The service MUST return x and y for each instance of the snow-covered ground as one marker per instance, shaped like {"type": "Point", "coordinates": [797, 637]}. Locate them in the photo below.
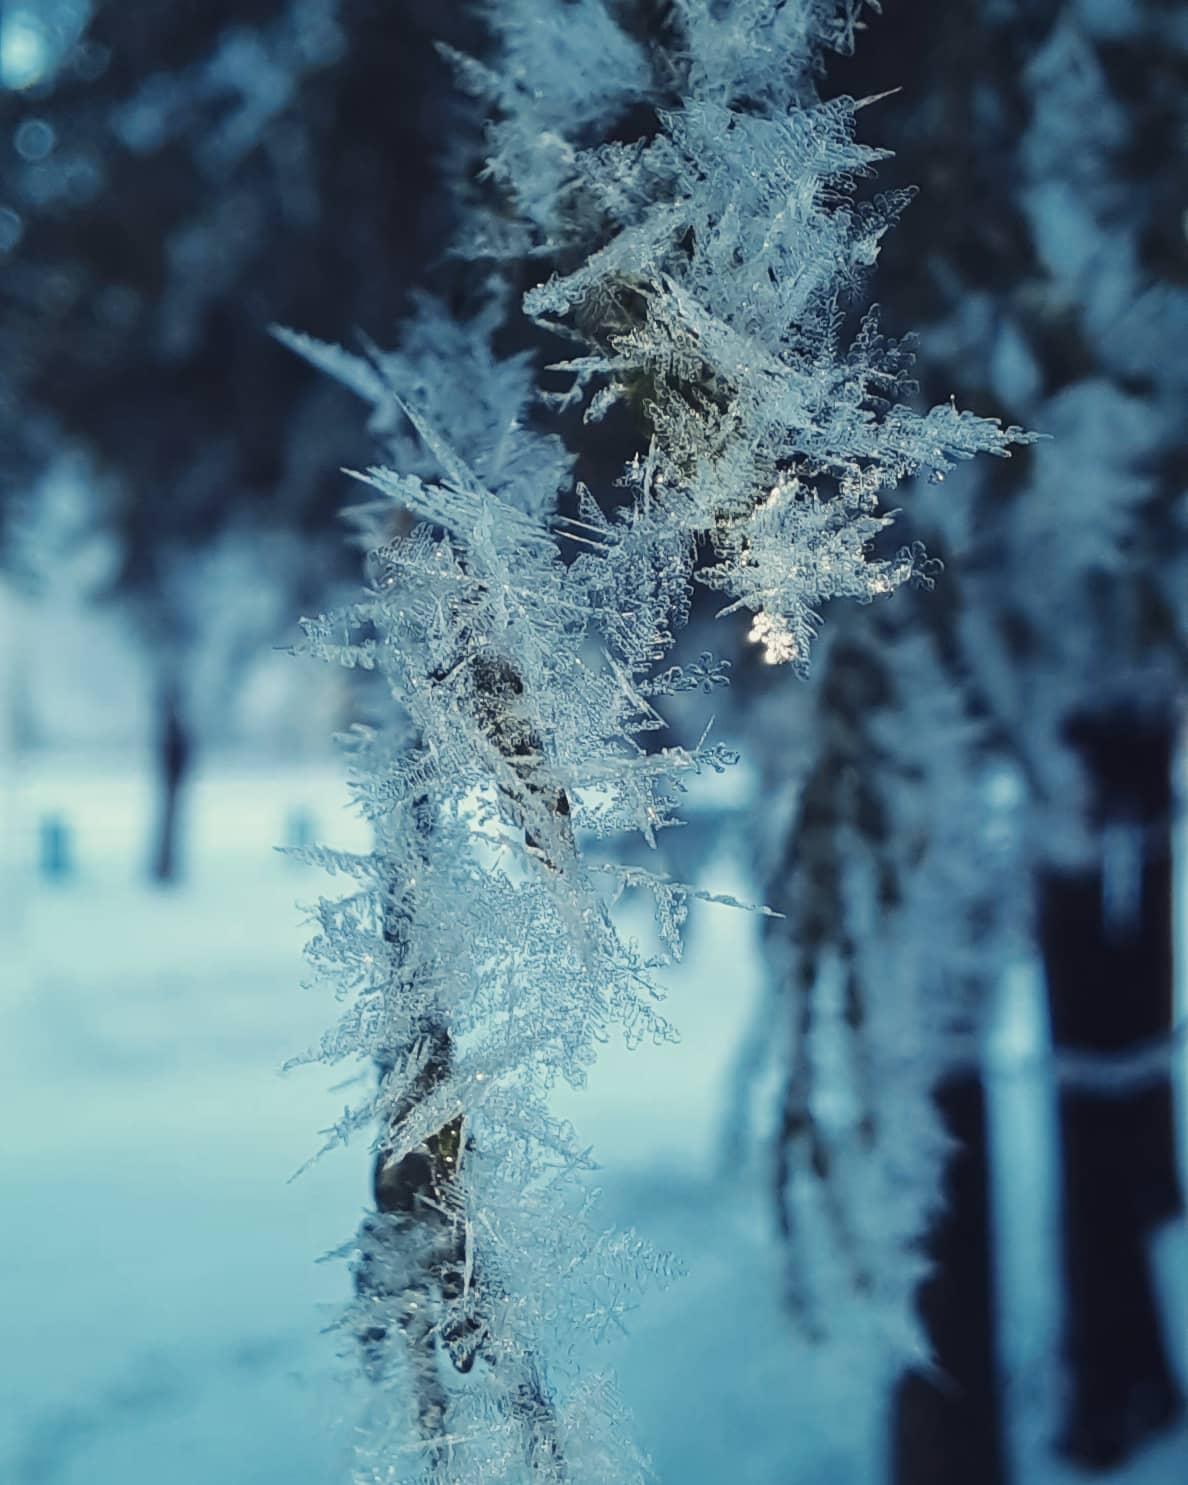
{"type": "Point", "coordinates": [161, 1302]}
{"type": "Point", "coordinates": [160, 1306]}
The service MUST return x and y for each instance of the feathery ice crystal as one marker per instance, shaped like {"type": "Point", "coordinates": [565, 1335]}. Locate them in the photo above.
{"type": "Point", "coordinates": [705, 260]}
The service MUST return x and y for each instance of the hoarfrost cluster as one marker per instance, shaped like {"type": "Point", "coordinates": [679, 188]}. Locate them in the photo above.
{"type": "Point", "coordinates": [696, 209]}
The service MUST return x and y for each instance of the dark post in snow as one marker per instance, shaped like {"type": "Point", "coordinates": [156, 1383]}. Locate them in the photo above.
{"type": "Point", "coordinates": [1106, 935]}
{"type": "Point", "coordinates": [55, 854]}
{"type": "Point", "coordinates": [947, 1424]}
{"type": "Point", "coordinates": [174, 753]}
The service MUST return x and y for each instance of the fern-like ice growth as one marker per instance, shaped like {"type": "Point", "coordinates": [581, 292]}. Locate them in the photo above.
{"type": "Point", "coordinates": [706, 265]}
{"type": "Point", "coordinates": [724, 251]}
{"type": "Point", "coordinates": [478, 948]}
{"type": "Point", "coordinates": [472, 399]}
{"type": "Point", "coordinates": [718, 305]}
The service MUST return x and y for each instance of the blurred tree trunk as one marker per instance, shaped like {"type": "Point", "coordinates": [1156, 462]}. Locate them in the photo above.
{"type": "Point", "coordinates": [174, 759]}
{"type": "Point", "coordinates": [946, 1425]}
{"type": "Point", "coordinates": [1106, 938]}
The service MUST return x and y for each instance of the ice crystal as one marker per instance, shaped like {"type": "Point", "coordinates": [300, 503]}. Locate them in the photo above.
{"type": "Point", "coordinates": [478, 952]}
{"type": "Point", "coordinates": [700, 210]}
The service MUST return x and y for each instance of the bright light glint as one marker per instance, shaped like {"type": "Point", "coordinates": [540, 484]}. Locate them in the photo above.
{"type": "Point", "coordinates": [24, 49]}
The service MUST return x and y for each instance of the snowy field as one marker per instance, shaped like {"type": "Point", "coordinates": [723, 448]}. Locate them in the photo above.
{"type": "Point", "coordinates": [162, 1309]}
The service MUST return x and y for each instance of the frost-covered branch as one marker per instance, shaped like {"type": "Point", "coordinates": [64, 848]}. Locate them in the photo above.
{"type": "Point", "coordinates": [706, 264]}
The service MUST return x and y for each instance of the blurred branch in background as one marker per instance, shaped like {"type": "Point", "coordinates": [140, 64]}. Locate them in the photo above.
{"type": "Point", "coordinates": [1046, 259]}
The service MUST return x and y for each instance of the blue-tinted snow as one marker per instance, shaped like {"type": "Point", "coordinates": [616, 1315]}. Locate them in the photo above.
{"type": "Point", "coordinates": [162, 1307]}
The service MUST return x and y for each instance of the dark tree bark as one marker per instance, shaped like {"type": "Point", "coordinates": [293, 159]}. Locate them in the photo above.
{"type": "Point", "coordinates": [947, 1425]}
{"type": "Point", "coordinates": [1106, 936]}
{"type": "Point", "coordinates": [174, 759]}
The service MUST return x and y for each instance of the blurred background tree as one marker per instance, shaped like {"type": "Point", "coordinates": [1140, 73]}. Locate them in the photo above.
{"type": "Point", "coordinates": [176, 176]}
{"type": "Point", "coordinates": [1045, 265]}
